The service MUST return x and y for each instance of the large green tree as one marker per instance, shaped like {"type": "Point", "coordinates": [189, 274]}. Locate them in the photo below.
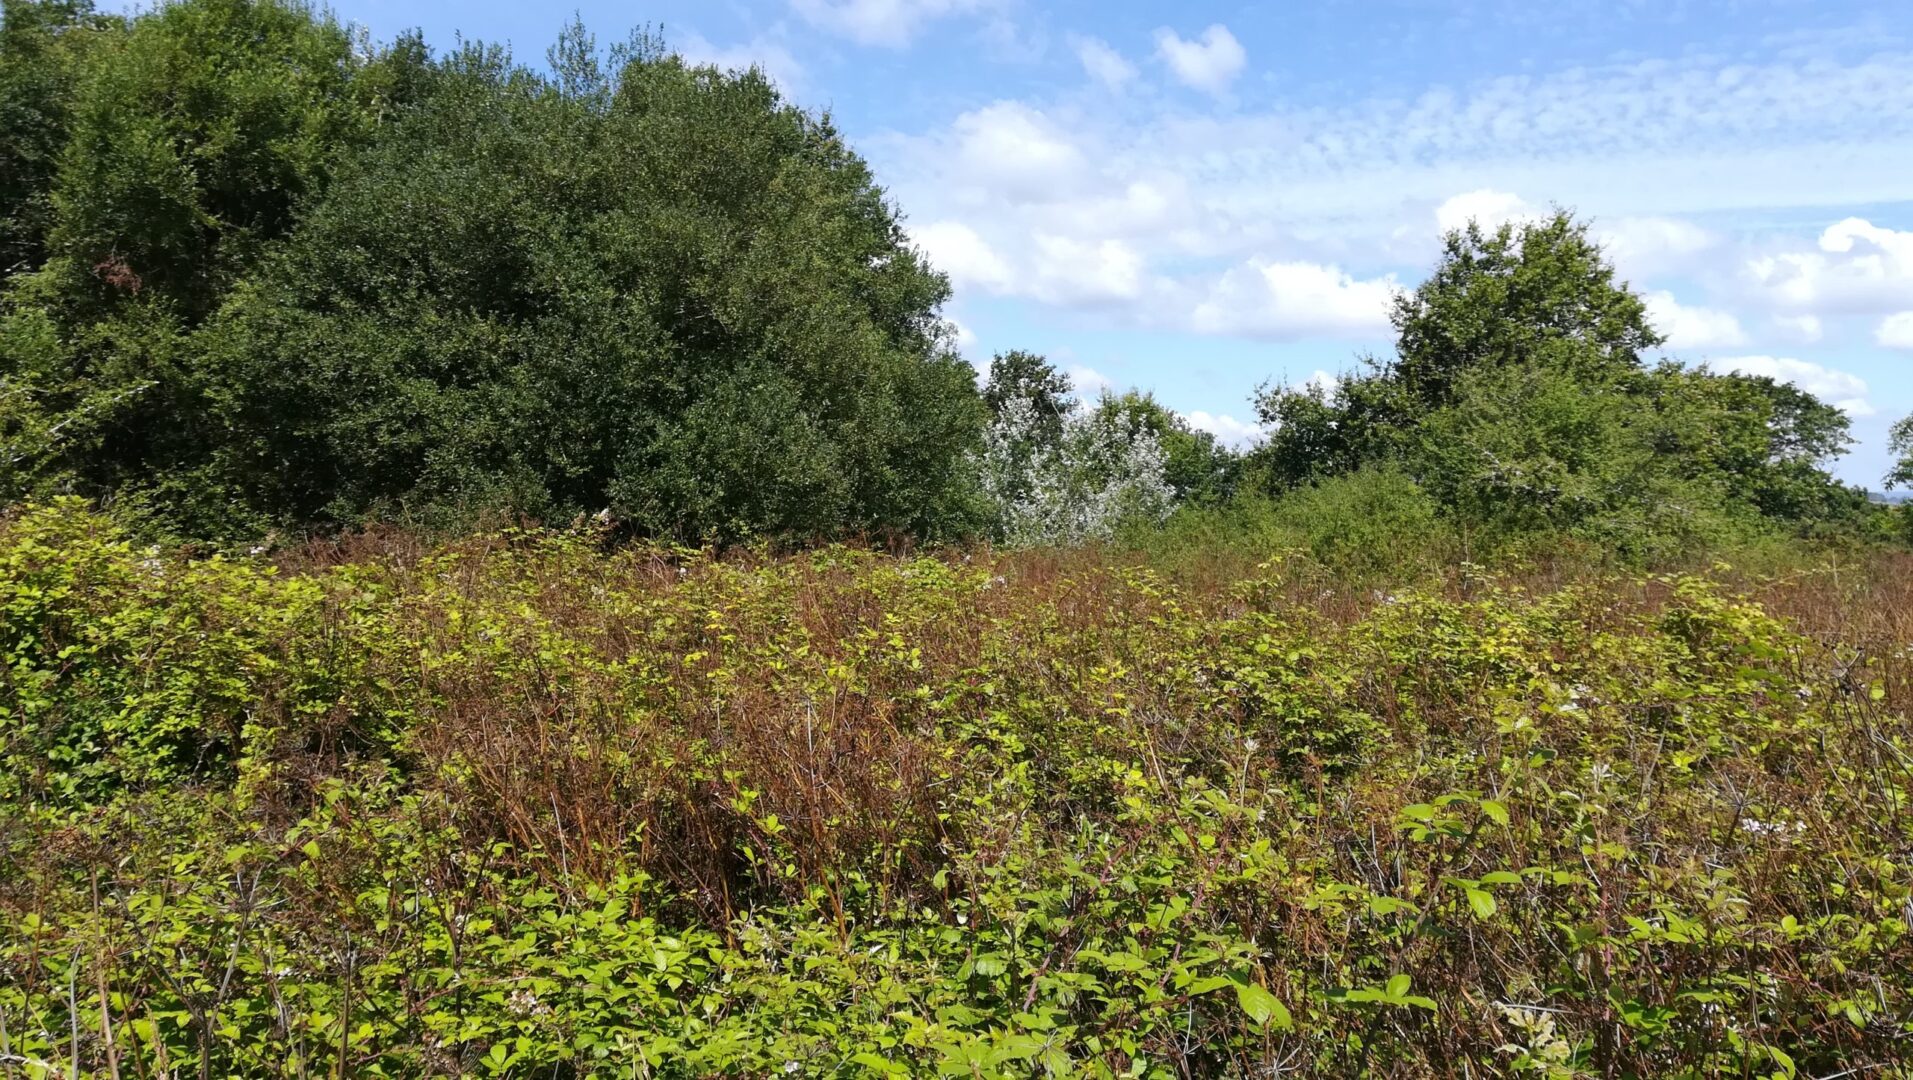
{"type": "Point", "coordinates": [43, 45]}
{"type": "Point", "coordinates": [290, 279]}
{"type": "Point", "coordinates": [1900, 442]}
{"type": "Point", "coordinates": [640, 287]}
{"type": "Point", "coordinates": [186, 145]}
{"type": "Point", "coordinates": [1519, 396]}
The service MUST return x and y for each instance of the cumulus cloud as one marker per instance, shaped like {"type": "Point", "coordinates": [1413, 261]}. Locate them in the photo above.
{"type": "Point", "coordinates": [1227, 429]}
{"type": "Point", "coordinates": [1896, 331]}
{"type": "Point", "coordinates": [957, 250]}
{"type": "Point", "coordinates": [1208, 63]}
{"type": "Point", "coordinates": [1104, 64]}
{"type": "Point", "coordinates": [1068, 270]}
{"type": "Point", "coordinates": [1646, 245]}
{"type": "Point", "coordinates": [767, 56]}
{"type": "Point", "coordinates": [1486, 207]}
{"type": "Point", "coordinates": [1087, 382]}
{"type": "Point", "coordinates": [1805, 329]}
{"type": "Point", "coordinates": [1856, 267]}
{"type": "Point", "coordinates": [1016, 153]}
{"type": "Point", "coordinates": [1841, 389]}
{"type": "Point", "coordinates": [1290, 300]}
{"type": "Point", "coordinates": [889, 23]}
{"type": "Point", "coordinates": [1692, 327]}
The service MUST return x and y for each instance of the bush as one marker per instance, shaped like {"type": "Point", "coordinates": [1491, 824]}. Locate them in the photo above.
{"type": "Point", "coordinates": [519, 806]}
{"type": "Point", "coordinates": [1369, 522]}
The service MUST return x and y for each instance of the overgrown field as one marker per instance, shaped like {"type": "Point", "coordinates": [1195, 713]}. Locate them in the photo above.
{"type": "Point", "coordinates": [522, 805]}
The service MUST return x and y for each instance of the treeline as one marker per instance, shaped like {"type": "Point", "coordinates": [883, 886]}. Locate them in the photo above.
{"type": "Point", "coordinates": [263, 274]}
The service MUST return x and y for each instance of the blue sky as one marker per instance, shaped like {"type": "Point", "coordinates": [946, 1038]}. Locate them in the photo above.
{"type": "Point", "coordinates": [1198, 198]}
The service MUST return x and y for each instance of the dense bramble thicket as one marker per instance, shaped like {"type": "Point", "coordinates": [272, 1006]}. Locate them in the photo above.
{"type": "Point", "coordinates": [519, 806]}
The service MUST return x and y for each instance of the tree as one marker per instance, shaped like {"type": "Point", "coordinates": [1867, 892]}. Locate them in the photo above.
{"type": "Point", "coordinates": [639, 286]}
{"type": "Point", "coordinates": [1900, 441]}
{"type": "Point", "coordinates": [1197, 467]}
{"type": "Point", "coordinates": [193, 142]}
{"type": "Point", "coordinates": [1519, 398]}
{"type": "Point", "coordinates": [1541, 293]}
{"type": "Point", "coordinates": [1103, 472]}
{"type": "Point", "coordinates": [1019, 375]}
{"type": "Point", "coordinates": [43, 44]}
{"type": "Point", "coordinates": [192, 138]}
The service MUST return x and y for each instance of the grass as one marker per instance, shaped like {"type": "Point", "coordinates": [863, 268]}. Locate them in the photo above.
{"type": "Point", "coordinates": [525, 805]}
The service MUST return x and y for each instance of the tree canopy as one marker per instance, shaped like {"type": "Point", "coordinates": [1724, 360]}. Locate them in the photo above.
{"type": "Point", "coordinates": [291, 281]}
{"type": "Point", "coordinates": [1520, 396]}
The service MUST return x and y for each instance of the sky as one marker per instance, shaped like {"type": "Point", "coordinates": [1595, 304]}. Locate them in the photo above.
{"type": "Point", "coordinates": [1201, 198]}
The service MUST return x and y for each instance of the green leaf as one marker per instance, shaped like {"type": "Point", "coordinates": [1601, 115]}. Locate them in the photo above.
{"type": "Point", "coordinates": [1262, 1006]}
{"type": "Point", "coordinates": [1483, 902]}
{"type": "Point", "coordinates": [1495, 810]}
{"type": "Point", "coordinates": [878, 1063]}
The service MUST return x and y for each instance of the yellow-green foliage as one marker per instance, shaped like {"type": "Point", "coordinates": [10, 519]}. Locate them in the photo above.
{"type": "Point", "coordinates": [522, 806]}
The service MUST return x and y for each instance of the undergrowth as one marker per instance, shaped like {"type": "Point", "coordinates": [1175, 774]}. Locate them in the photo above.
{"type": "Point", "coordinates": [528, 805]}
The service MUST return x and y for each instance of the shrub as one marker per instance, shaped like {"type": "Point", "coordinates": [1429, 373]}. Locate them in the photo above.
{"type": "Point", "coordinates": [522, 806]}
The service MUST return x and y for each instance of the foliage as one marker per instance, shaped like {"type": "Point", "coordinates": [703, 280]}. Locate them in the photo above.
{"type": "Point", "coordinates": [1054, 472]}
{"type": "Point", "coordinates": [1196, 465]}
{"type": "Point", "coordinates": [522, 806]}
{"type": "Point", "coordinates": [1374, 522]}
{"type": "Point", "coordinates": [1900, 441]}
{"type": "Point", "coordinates": [299, 281]}
{"type": "Point", "coordinates": [1520, 399]}
{"type": "Point", "coordinates": [41, 45]}
{"type": "Point", "coordinates": [657, 290]}
{"type": "Point", "coordinates": [1021, 376]}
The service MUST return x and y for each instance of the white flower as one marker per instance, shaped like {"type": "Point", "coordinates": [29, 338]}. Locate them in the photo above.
{"type": "Point", "coordinates": [1101, 472]}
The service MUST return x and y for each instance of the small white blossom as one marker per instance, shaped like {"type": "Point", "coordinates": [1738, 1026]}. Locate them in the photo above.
{"type": "Point", "coordinates": [1102, 472]}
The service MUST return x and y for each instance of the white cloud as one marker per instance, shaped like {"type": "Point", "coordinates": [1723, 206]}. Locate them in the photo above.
{"type": "Point", "coordinates": [1692, 327]}
{"type": "Point", "coordinates": [1805, 329]}
{"type": "Point", "coordinates": [890, 23]}
{"type": "Point", "coordinates": [1087, 382]}
{"type": "Point", "coordinates": [1104, 64]}
{"type": "Point", "coordinates": [1857, 267]}
{"type": "Point", "coordinates": [1486, 207]}
{"type": "Point", "coordinates": [1328, 383]}
{"type": "Point", "coordinates": [1067, 270]}
{"type": "Point", "coordinates": [1841, 389]}
{"type": "Point", "coordinates": [1227, 429]}
{"type": "Point", "coordinates": [1896, 331]}
{"type": "Point", "coordinates": [1647, 245]}
{"type": "Point", "coordinates": [1012, 151]}
{"type": "Point", "coordinates": [1289, 300]}
{"type": "Point", "coordinates": [1208, 63]}
{"type": "Point", "coordinates": [964, 340]}
{"type": "Point", "coordinates": [771, 58]}
{"type": "Point", "coordinates": [958, 251]}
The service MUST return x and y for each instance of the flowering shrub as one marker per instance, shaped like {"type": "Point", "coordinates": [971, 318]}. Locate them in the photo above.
{"type": "Point", "coordinates": [1098, 472]}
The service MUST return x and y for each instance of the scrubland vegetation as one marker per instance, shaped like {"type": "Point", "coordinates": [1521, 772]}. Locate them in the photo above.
{"type": "Point", "coordinates": [517, 805]}
{"type": "Point", "coordinates": [504, 572]}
